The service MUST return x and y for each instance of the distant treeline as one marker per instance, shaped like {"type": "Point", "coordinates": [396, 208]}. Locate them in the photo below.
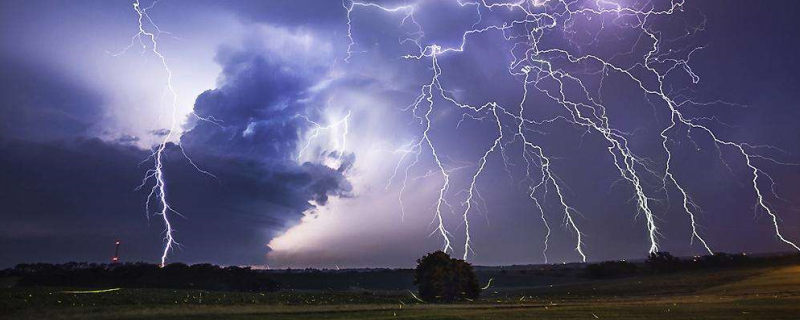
{"type": "Point", "coordinates": [664, 262]}
{"type": "Point", "coordinates": [142, 275]}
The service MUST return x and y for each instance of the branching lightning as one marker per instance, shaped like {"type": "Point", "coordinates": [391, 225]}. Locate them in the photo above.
{"type": "Point", "coordinates": [534, 65]}
{"type": "Point", "coordinates": [148, 40]}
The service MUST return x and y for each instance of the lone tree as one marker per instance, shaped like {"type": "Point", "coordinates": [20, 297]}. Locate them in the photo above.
{"type": "Point", "coordinates": [444, 279]}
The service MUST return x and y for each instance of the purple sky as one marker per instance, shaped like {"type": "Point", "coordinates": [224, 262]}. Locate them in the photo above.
{"type": "Point", "coordinates": [320, 145]}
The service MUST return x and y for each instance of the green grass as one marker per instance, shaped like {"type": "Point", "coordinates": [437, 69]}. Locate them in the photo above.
{"type": "Point", "coordinates": [743, 293]}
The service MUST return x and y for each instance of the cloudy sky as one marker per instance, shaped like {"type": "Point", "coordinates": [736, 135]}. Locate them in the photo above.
{"type": "Point", "coordinates": [310, 126]}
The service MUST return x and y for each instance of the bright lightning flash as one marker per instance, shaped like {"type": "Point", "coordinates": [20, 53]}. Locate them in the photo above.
{"type": "Point", "coordinates": [148, 40]}
{"type": "Point", "coordinates": [533, 64]}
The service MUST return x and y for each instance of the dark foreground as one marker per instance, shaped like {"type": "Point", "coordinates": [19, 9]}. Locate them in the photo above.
{"type": "Point", "coordinates": [739, 293]}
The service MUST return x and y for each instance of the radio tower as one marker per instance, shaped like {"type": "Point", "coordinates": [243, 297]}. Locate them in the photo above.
{"type": "Point", "coordinates": [115, 259]}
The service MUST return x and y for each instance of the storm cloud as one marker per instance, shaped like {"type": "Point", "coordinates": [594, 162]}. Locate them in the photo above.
{"type": "Point", "coordinates": [84, 189]}
{"type": "Point", "coordinates": [257, 82]}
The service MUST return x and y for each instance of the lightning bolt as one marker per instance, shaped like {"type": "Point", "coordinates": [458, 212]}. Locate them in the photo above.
{"type": "Point", "coordinates": [533, 63]}
{"type": "Point", "coordinates": [148, 40]}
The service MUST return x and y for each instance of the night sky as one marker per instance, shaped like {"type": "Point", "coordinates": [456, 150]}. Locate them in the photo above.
{"type": "Point", "coordinates": [308, 146]}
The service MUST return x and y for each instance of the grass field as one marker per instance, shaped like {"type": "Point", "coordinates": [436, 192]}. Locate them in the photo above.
{"type": "Point", "coordinates": [742, 293]}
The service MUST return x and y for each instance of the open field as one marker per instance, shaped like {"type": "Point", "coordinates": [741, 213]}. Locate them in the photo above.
{"type": "Point", "coordinates": [740, 293]}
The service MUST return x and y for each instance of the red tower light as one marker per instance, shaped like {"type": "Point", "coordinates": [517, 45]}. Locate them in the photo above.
{"type": "Point", "coordinates": [115, 259]}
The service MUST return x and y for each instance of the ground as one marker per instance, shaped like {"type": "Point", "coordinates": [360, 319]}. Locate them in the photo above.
{"type": "Point", "coordinates": [739, 293]}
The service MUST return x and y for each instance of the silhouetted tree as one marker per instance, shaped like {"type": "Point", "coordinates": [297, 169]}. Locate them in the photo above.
{"type": "Point", "coordinates": [663, 261]}
{"type": "Point", "coordinates": [444, 279]}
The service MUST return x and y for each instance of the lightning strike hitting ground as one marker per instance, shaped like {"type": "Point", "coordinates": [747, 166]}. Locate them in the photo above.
{"type": "Point", "coordinates": [159, 189]}
{"type": "Point", "coordinates": [536, 64]}
{"type": "Point", "coordinates": [149, 40]}
{"type": "Point", "coordinates": [533, 64]}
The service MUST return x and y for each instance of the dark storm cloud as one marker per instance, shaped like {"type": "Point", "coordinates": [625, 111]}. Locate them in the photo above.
{"type": "Point", "coordinates": [251, 182]}
{"type": "Point", "coordinates": [250, 146]}
{"type": "Point", "coordinates": [230, 218]}
{"type": "Point", "coordinates": [255, 112]}
{"type": "Point", "coordinates": [256, 108]}
{"type": "Point", "coordinates": [67, 199]}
